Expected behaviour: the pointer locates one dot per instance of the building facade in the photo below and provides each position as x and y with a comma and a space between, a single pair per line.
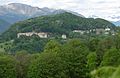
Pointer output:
40, 34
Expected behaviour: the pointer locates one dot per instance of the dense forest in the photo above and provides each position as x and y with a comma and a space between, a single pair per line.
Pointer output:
75, 58
78, 56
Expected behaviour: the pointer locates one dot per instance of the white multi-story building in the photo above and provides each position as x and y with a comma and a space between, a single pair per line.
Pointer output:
40, 34
79, 31
64, 36
107, 29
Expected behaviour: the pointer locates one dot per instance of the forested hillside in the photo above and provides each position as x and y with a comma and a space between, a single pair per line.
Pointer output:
76, 58
55, 26
72, 55
58, 24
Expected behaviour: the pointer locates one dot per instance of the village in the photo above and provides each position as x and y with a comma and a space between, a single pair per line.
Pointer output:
97, 31
40, 34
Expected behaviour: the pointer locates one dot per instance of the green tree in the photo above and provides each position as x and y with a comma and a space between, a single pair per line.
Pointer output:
117, 40
74, 54
23, 61
103, 46
92, 61
48, 64
7, 67
52, 46
93, 43
116, 74
103, 72
111, 58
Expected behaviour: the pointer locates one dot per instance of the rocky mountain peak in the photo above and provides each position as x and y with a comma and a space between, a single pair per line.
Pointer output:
22, 8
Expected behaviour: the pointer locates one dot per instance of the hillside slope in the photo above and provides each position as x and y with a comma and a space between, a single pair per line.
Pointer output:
3, 25
58, 24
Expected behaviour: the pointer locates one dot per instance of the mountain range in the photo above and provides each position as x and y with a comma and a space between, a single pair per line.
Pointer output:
3, 25
14, 12
57, 25
114, 19
117, 23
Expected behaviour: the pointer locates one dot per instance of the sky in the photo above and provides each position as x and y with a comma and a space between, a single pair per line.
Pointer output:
109, 9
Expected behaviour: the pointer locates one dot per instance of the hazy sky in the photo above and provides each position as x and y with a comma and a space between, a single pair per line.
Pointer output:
102, 8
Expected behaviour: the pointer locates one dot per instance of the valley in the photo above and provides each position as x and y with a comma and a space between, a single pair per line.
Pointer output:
48, 43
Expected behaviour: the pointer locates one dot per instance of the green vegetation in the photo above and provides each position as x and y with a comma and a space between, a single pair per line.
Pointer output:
71, 59
57, 25
89, 56
103, 72
7, 67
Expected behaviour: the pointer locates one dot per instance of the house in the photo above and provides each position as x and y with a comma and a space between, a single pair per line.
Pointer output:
107, 29
40, 34
106, 33
79, 31
100, 31
64, 36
